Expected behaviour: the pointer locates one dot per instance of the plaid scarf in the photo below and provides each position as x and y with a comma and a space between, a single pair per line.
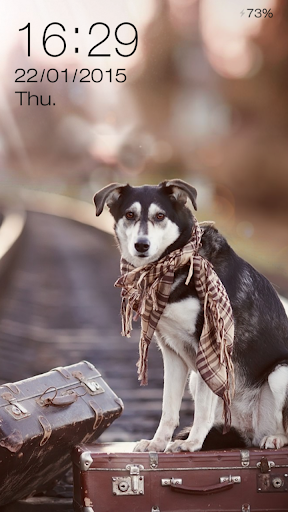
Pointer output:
145, 293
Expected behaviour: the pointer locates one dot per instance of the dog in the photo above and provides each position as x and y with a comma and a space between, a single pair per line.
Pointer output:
152, 221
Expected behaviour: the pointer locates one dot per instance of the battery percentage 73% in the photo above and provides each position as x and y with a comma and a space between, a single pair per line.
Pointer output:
258, 13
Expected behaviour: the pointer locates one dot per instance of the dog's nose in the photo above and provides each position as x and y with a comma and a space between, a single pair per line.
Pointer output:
142, 245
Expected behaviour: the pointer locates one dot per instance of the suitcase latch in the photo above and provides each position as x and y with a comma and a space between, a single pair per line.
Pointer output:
91, 386
265, 465
245, 458
17, 410
270, 482
131, 485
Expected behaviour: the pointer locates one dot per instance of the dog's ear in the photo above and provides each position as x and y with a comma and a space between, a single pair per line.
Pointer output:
109, 195
180, 190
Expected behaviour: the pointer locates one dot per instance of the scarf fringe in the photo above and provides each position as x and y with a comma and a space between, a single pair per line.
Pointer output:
213, 321
226, 416
190, 273
126, 318
142, 363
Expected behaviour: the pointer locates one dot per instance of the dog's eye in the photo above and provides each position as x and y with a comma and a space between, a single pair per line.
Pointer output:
130, 215
160, 216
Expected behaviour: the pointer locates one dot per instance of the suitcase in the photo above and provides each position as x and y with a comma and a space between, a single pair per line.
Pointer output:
42, 418
110, 478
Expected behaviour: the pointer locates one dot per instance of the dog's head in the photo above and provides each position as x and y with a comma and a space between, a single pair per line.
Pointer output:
150, 221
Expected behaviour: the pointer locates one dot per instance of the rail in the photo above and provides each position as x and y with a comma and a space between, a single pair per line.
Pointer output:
75, 210
12, 227
11, 233
66, 207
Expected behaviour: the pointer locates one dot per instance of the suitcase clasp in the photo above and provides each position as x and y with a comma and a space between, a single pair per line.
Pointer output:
132, 485
17, 410
91, 386
265, 465
271, 482
245, 458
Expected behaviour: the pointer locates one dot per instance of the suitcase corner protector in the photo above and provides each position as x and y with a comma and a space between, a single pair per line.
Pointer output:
85, 463
81, 508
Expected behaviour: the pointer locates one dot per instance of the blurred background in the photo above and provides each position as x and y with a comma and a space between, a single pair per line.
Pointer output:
205, 100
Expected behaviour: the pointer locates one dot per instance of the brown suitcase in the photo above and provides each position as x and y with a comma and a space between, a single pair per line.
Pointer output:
42, 418
110, 478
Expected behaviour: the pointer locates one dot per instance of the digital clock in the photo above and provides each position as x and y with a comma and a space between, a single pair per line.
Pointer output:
119, 42
93, 51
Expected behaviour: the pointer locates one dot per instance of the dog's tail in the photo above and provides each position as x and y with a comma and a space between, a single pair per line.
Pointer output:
216, 440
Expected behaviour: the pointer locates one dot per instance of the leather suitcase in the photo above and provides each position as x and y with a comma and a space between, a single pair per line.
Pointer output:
110, 478
42, 418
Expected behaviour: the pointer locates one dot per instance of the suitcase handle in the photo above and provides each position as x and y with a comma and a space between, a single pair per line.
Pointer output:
63, 400
207, 489
57, 400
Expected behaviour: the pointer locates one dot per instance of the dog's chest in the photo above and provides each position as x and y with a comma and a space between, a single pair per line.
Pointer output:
177, 325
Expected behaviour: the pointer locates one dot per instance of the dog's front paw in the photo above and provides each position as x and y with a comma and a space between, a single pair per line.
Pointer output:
184, 446
276, 441
146, 445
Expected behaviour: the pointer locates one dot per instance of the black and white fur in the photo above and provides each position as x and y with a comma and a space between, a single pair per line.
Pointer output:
150, 222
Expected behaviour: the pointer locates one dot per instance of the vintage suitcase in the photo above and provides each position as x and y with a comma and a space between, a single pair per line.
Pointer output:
42, 418
110, 478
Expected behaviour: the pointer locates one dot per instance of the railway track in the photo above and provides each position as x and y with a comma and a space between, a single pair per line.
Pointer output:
61, 307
